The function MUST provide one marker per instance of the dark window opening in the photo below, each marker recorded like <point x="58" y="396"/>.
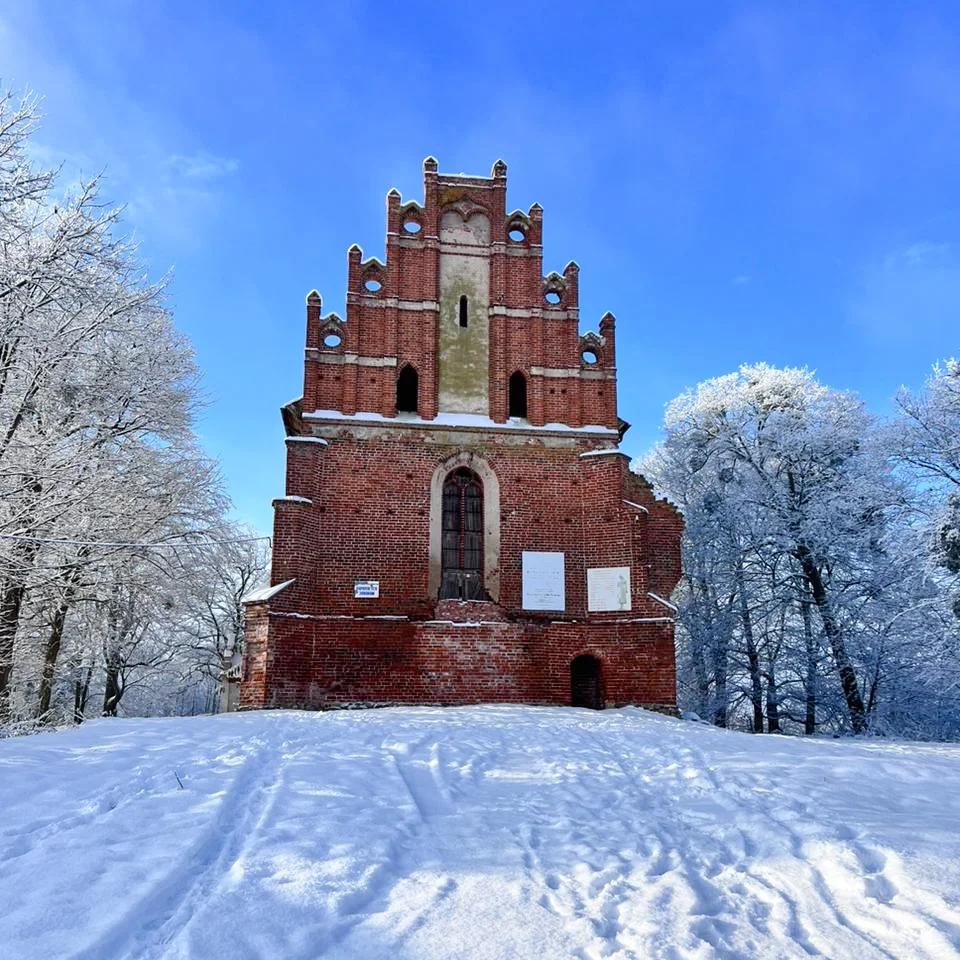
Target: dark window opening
<point x="585" y="683"/>
<point x="463" y="311"/>
<point x="461" y="558"/>
<point x="407" y="391"/>
<point x="518" y="395"/>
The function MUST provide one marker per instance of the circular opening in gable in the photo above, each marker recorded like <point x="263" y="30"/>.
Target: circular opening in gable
<point x="516" y="234"/>
<point x="373" y="285"/>
<point x="332" y="340"/>
<point x="411" y="226"/>
<point x="551" y="296"/>
<point x="589" y="356"/>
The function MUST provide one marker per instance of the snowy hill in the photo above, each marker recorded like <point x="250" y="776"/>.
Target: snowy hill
<point x="488" y="832"/>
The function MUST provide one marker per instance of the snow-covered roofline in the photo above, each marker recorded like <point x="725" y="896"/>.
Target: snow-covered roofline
<point x="470" y="421"/>
<point x="659" y="599"/>
<point x="602" y="453"/>
<point x="265" y="593"/>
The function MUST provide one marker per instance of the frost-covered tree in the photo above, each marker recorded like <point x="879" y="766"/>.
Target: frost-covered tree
<point x="926" y="437"/>
<point x="796" y="549"/>
<point x="100" y="471"/>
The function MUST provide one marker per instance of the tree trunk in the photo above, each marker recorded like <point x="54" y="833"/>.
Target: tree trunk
<point x="11" y="604"/>
<point x="720" y="686"/>
<point x="81" y="691"/>
<point x="719" y="651"/>
<point x="719" y="648"/>
<point x="773" y="701"/>
<point x="50" y="654"/>
<point x="810" y="686"/>
<point x="756" y="685"/>
<point x="113" y="690"/>
<point x="875" y="682"/>
<point x="52" y="650"/>
<point x="756" y="682"/>
<point x="700" y="676"/>
<point x="834" y="632"/>
<point x="700" y="644"/>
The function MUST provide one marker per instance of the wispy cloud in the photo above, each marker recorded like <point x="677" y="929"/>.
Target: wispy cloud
<point x="202" y="166"/>
<point x="167" y="197"/>
<point x="910" y="292"/>
<point x="170" y="181"/>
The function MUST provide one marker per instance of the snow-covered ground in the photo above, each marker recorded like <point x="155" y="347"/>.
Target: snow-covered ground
<point x="505" y="832"/>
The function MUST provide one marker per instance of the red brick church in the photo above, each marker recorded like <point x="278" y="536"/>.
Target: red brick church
<point x="460" y="525"/>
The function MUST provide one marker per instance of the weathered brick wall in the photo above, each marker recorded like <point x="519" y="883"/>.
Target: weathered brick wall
<point x="358" y="502"/>
<point x="326" y="663"/>
<point x="358" y="507"/>
<point x="256" y="640"/>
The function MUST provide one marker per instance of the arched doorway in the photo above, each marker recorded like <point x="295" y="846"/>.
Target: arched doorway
<point x="585" y="687"/>
<point x="517" y="395"/>
<point x="407" y="391"/>
<point x="461" y="556"/>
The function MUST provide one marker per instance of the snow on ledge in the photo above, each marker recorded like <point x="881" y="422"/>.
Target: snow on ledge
<point x="295" y="499"/>
<point x="639" y="506"/>
<point x="620" y="620"/>
<point x="476" y="421"/>
<point x="307" y="440"/>
<point x="464" y="623"/>
<point x="265" y="593"/>
<point x="602" y="453"/>
<point x="659" y="599"/>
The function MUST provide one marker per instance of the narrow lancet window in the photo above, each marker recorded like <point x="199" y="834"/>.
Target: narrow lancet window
<point x="407" y="391"/>
<point x="463" y="311"/>
<point x="518" y="395"/>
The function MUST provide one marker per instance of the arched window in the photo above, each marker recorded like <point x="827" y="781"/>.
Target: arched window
<point x="490" y="497"/>
<point x="463" y="311"/>
<point x="407" y="390"/>
<point x="517" y="395"/>
<point x="462" y="547"/>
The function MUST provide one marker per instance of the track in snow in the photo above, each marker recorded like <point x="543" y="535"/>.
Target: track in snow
<point x="488" y="832"/>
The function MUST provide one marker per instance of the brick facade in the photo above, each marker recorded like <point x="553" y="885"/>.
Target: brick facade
<point x="462" y="305"/>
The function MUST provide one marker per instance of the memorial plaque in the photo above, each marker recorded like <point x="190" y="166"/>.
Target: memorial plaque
<point x="608" y="588"/>
<point x="366" y="589"/>
<point x="543" y="584"/>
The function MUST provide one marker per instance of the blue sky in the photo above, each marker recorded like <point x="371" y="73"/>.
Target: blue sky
<point x="738" y="182"/>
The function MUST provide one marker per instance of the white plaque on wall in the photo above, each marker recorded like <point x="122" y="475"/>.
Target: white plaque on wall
<point x="366" y="589"/>
<point x="543" y="587"/>
<point x="608" y="588"/>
